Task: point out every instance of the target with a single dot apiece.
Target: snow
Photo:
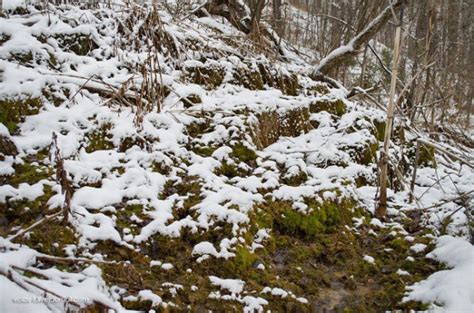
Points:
(369, 259)
(417, 248)
(402, 272)
(110, 180)
(278, 292)
(149, 295)
(234, 286)
(453, 287)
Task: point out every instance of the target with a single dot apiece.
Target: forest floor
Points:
(199, 172)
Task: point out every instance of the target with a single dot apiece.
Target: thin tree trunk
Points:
(382, 205)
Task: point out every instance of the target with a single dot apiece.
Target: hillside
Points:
(159, 161)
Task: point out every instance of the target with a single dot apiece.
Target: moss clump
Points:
(294, 223)
(4, 38)
(243, 153)
(295, 122)
(189, 185)
(288, 84)
(29, 172)
(160, 167)
(191, 100)
(22, 57)
(318, 89)
(24, 212)
(295, 180)
(272, 125)
(427, 156)
(129, 142)
(54, 95)
(99, 139)
(367, 155)
(379, 130)
(7, 147)
(14, 111)
(228, 170)
(123, 216)
(325, 217)
(205, 151)
(335, 107)
(51, 238)
(80, 44)
(210, 76)
(242, 262)
(248, 78)
(196, 129)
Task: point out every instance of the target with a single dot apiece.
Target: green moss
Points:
(368, 154)
(56, 97)
(80, 44)
(4, 38)
(99, 139)
(427, 156)
(249, 79)
(51, 238)
(227, 170)
(209, 76)
(188, 185)
(399, 244)
(287, 84)
(7, 147)
(326, 217)
(243, 153)
(14, 111)
(319, 89)
(22, 57)
(191, 100)
(160, 167)
(336, 107)
(196, 129)
(205, 151)
(379, 131)
(295, 180)
(29, 172)
(123, 216)
(243, 260)
(23, 212)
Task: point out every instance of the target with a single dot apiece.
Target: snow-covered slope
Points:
(203, 174)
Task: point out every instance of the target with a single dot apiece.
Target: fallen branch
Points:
(36, 224)
(61, 260)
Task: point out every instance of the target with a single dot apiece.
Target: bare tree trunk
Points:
(256, 7)
(382, 205)
(277, 17)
